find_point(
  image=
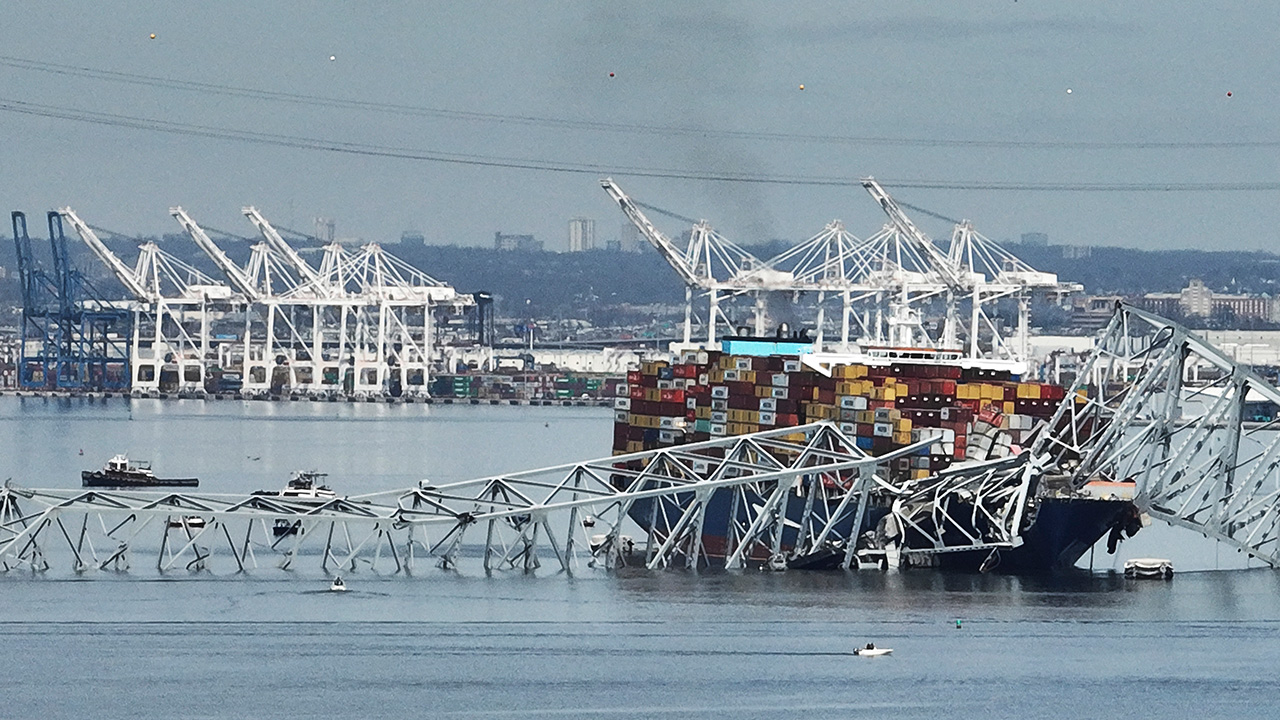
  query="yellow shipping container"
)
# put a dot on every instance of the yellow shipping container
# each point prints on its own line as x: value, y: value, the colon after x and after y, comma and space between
x: 902, y: 438
x: 919, y: 474
x: 904, y: 425
x: 653, y: 394
x: 702, y: 412
x: 635, y: 446
x: 1008, y: 408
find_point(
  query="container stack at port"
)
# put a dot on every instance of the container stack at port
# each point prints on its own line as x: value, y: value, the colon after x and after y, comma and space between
x: 964, y: 413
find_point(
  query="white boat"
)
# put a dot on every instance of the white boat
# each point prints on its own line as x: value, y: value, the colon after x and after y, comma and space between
x: 304, y: 487
x: 872, y: 651
x: 1153, y: 568
x: 337, y: 585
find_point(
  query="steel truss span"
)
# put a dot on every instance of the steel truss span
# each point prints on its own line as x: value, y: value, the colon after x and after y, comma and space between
x: 795, y: 492
x: 1204, y: 456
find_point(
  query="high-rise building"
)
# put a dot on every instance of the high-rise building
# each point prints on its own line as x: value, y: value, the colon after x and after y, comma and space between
x: 325, y: 229
x: 1035, y: 239
x: 412, y: 238
x: 582, y: 234
x: 629, y: 238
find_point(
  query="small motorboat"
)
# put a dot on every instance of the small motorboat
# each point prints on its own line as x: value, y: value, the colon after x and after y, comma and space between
x: 872, y: 651
x: 337, y: 585
x: 1149, y: 568
x: 194, y: 522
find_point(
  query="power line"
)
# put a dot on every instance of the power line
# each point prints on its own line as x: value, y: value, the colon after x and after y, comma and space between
x: 930, y: 213
x: 153, y: 81
x: 436, y: 156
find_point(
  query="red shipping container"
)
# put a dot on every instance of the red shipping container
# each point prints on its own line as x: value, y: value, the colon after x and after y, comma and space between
x: 636, y: 392
x: 633, y: 376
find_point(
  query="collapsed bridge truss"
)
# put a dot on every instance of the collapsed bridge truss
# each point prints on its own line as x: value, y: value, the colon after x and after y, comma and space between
x: 1204, y: 457
x: 795, y: 491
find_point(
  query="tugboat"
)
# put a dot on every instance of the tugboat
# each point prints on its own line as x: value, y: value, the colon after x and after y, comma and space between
x: 337, y: 585
x: 120, y: 473
x: 304, y: 486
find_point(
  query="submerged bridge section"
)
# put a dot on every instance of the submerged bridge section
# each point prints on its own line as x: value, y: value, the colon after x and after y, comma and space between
x: 792, y: 492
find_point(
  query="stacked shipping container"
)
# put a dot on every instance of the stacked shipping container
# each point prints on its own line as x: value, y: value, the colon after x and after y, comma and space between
x: 707, y: 394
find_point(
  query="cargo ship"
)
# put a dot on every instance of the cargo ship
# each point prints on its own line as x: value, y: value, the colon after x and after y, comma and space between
x: 120, y: 473
x: 884, y: 398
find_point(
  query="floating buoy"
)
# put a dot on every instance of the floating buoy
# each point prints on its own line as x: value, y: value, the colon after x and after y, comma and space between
x: 802, y: 87
x: 153, y: 36
x: 957, y: 623
x: 1228, y: 93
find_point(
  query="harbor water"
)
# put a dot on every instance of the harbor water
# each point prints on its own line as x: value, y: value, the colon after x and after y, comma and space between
x: 633, y: 644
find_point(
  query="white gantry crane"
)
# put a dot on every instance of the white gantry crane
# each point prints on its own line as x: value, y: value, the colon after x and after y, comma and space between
x: 363, y: 323
x: 892, y: 277
x: 172, y: 301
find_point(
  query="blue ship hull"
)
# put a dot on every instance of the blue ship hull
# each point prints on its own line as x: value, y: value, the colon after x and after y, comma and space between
x: 1062, y: 531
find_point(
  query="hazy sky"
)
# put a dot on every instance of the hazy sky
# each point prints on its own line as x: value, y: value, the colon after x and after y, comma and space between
x: 975, y: 91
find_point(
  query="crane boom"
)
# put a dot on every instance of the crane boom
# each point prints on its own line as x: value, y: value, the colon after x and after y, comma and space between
x: 219, y: 258
x: 655, y: 237
x: 937, y: 260
x: 126, y: 276
x: 278, y: 244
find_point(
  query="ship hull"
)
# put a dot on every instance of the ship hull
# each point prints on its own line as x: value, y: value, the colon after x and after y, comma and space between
x: 1062, y: 532
x: 103, y: 479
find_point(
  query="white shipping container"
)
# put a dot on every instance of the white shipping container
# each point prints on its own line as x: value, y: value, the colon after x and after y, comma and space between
x: 717, y: 429
x: 718, y: 416
x: 853, y: 402
x: 620, y: 416
x: 718, y: 404
x: 623, y: 390
x: 769, y: 404
x: 882, y: 429
x: 767, y: 418
x: 720, y: 391
x: 622, y: 403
